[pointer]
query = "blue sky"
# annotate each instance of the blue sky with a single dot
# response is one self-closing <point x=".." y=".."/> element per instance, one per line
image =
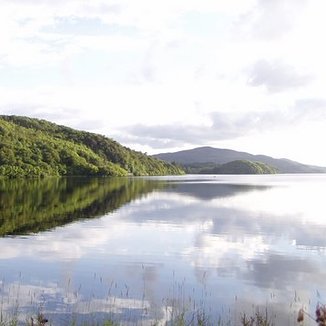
<point x="161" y="76"/>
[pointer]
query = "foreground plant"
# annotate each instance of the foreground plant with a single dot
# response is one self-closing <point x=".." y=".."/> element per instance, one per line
<point x="258" y="319"/>
<point x="320" y="315"/>
<point x="40" y="320"/>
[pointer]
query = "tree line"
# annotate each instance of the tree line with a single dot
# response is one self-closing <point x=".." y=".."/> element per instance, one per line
<point x="37" y="148"/>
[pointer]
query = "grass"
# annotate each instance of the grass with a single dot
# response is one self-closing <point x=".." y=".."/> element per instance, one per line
<point x="198" y="318"/>
<point x="258" y="319"/>
<point x="178" y="316"/>
<point x="179" y="311"/>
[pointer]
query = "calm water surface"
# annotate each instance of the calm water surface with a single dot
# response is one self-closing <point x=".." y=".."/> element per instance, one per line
<point x="139" y="250"/>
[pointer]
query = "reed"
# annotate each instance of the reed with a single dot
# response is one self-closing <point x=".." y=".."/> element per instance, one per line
<point x="180" y="310"/>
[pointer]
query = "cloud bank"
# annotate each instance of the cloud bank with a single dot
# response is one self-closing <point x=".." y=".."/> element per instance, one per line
<point x="222" y="72"/>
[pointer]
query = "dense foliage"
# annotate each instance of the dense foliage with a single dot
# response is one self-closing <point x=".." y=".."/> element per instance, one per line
<point x="234" y="167"/>
<point x="31" y="148"/>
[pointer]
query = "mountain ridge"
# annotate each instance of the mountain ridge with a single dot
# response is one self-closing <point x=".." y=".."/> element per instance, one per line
<point x="219" y="156"/>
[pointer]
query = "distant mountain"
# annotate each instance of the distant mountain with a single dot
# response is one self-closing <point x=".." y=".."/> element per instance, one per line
<point x="202" y="157"/>
<point x="37" y="148"/>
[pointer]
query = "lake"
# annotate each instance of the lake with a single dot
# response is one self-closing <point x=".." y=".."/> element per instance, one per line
<point x="141" y="251"/>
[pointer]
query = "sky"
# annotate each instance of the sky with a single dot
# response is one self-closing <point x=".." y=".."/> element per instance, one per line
<point x="167" y="75"/>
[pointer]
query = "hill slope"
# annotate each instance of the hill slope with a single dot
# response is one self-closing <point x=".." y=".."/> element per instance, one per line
<point x="218" y="156"/>
<point x="31" y="147"/>
<point x="240" y="167"/>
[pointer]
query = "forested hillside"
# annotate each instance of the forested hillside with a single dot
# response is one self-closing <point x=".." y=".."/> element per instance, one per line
<point x="240" y="167"/>
<point x="32" y="148"/>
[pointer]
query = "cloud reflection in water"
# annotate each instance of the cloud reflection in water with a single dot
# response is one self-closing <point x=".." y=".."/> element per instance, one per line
<point x="244" y="240"/>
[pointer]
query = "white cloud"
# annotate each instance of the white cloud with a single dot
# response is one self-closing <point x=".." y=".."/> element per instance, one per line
<point x="276" y="76"/>
<point x="224" y="126"/>
<point x="164" y="63"/>
<point x="273" y="19"/>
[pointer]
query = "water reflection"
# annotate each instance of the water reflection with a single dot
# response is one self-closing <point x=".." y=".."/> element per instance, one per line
<point x="30" y="206"/>
<point x="131" y="257"/>
<point x="208" y="191"/>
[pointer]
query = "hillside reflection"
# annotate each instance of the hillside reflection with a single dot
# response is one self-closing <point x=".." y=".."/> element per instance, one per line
<point x="31" y="206"/>
<point x="208" y="191"/>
